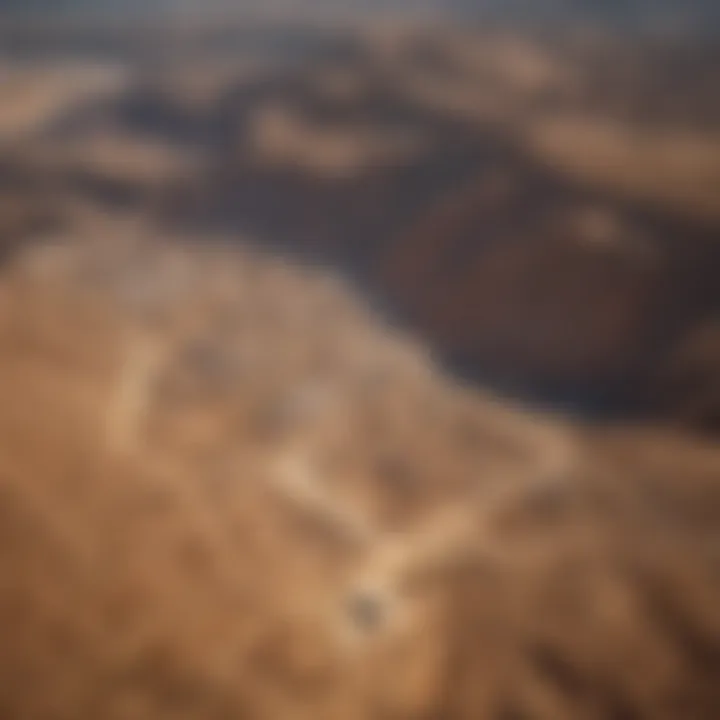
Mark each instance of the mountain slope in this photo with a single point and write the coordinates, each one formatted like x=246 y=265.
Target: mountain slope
x=226 y=492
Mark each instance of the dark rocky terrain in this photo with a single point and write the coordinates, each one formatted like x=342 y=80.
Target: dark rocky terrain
x=543 y=210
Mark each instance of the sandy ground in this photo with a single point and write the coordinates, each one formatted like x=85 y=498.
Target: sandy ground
x=227 y=491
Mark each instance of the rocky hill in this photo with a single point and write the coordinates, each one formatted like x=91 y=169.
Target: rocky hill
x=228 y=489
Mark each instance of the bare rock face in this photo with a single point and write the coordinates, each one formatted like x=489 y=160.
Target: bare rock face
x=688 y=382
x=549 y=293
x=227 y=491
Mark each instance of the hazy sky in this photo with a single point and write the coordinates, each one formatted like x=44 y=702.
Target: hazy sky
x=629 y=11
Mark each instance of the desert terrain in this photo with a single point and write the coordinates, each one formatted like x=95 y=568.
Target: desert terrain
x=358 y=371
x=543 y=209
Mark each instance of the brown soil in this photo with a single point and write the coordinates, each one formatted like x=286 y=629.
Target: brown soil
x=226 y=491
